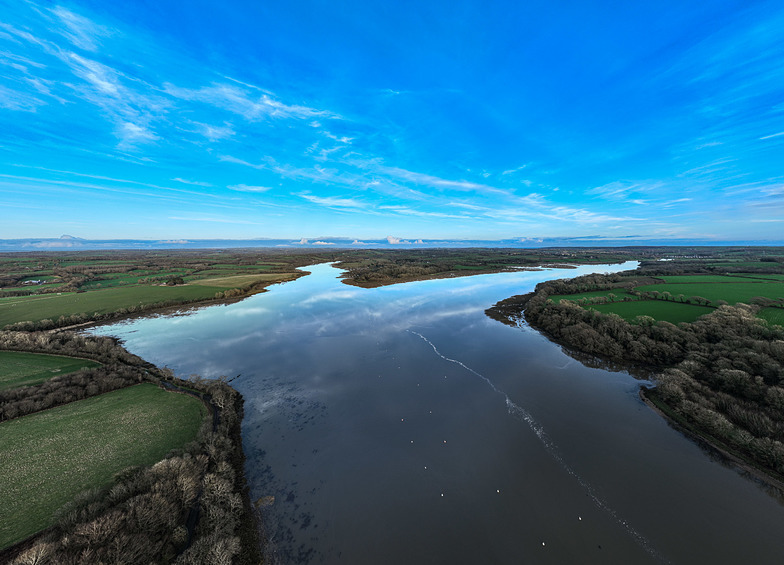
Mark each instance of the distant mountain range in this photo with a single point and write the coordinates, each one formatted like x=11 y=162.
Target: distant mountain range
x=68 y=242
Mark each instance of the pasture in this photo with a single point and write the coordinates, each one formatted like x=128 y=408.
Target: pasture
x=51 y=306
x=24 y=369
x=772 y=315
x=731 y=292
x=742 y=287
x=50 y=456
x=673 y=312
x=239 y=281
x=619 y=293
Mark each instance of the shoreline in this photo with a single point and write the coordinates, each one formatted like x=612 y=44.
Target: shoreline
x=727 y=456
x=346 y=278
x=171 y=309
x=223 y=417
x=509 y=310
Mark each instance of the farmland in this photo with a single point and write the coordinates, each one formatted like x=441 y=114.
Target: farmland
x=25 y=369
x=731 y=292
x=672 y=312
x=51 y=306
x=51 y=290
x=48 y=290
x=683 y=298
x=50 y=456
x=773 y=315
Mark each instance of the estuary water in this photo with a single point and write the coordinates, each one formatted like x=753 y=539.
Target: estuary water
x=402 y=425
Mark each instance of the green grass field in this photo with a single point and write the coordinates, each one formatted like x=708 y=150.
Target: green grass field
x=695 y=279
x=732 y=292
x=770 y=277
x=50 y=456
x=673 y=312
x=591 y=294
x=238 y=281
x=25 y=369
x=772 y=315
x=732 y=289
x=52 y=306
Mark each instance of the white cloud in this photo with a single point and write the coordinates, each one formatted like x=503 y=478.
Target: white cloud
x=533 y=199
x=19 y=101
x=619 y=190
x=212 y=220
x=332 y=201
x=246 y=188
x=80 y=31
x=215 y=133
x=193 y=182
x=444 y=184
x=515 y=170
x=672 y=203
x=230 y=159
x=395 y=240
x=23 y=61
x=239 y=101
x=131 y=134
x=132 y=112
x=323 y=243
x=405 y=210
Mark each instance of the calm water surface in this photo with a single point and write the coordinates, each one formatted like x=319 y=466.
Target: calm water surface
x=401 y=425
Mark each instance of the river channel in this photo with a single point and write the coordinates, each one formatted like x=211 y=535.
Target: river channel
x=401 y=425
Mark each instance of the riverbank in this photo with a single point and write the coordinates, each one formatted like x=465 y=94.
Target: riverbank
x=721 y=450
x=719 y=377
x=199 y=491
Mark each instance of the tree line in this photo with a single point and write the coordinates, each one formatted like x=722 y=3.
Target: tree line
x=722 y=375
x=192 y=507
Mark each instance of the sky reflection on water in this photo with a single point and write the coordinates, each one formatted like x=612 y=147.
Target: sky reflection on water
x=400 y=424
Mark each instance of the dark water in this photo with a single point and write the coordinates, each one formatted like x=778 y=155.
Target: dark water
x=401 y=425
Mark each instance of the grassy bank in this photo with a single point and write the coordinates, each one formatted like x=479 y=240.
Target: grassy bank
x=50 y=456
x=24 y=369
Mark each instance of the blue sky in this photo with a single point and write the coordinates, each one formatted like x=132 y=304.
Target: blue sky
x=365 y=119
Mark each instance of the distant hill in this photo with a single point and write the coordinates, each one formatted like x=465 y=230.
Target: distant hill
x=77 y=243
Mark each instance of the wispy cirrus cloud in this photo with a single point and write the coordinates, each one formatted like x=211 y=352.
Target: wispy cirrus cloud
x=406 y=211
x=515 y=170
x=80 y=31
x=623 y=189
x=18 y=101
x=125 y=101
x=191 y=182
x=239 y=101
x=247 y=188
x=238 y=161
x=333 y=201
x=440 y=183
x=212 y=220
